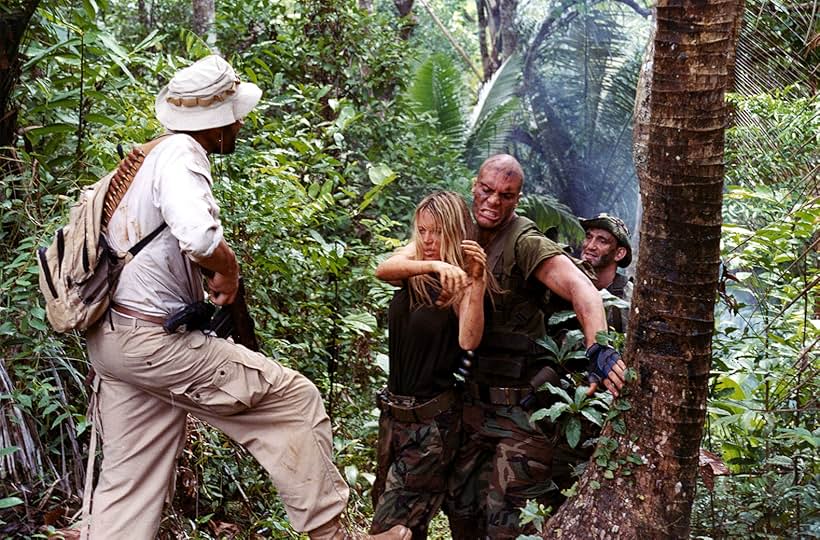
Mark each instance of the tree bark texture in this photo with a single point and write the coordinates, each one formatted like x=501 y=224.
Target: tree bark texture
x=497 y=35
x=204 y=13
x=13 y=25
x=678 y=141
x=142 y=14
x=405 y=9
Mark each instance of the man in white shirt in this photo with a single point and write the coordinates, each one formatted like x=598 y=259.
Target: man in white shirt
x=149 y=380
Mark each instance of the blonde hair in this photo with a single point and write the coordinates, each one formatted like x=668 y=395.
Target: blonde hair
x=451 y=215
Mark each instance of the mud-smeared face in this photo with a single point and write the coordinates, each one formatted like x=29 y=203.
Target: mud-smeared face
x=429 y=234
x=495 y=195
x=600 y=248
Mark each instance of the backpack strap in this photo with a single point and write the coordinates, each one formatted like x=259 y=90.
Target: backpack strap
x=145 y=241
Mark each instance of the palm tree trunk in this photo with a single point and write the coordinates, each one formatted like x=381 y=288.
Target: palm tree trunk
x=679 y=136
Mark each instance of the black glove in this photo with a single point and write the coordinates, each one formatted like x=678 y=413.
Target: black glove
x=601 y=360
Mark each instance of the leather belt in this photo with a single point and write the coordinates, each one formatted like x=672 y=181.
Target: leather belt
x=419 y=413
x=498 y=395
x=122 y=310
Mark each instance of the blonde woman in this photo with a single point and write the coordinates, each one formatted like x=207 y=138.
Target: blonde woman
x=436 y=315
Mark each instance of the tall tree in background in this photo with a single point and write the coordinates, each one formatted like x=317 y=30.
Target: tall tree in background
x=14 y=18
x=497 y=35
x=204 y=16
x=641 y=482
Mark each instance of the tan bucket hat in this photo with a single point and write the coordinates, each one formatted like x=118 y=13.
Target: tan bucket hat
x=204 y=95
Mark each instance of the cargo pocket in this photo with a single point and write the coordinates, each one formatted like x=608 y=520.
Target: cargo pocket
x=225 y=394
x=425 y=464
x=239 y=382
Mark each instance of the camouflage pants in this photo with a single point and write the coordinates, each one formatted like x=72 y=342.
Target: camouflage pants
x=414 y=462
x=503 y=461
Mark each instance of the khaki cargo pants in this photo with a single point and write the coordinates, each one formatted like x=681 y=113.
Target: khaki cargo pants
x=150 y=381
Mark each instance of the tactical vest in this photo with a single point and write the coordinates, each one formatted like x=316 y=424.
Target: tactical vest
x=508 y=353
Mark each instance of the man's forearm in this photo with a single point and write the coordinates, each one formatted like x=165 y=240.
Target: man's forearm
x=591 y=315
x=562 y=277
x=222 y=261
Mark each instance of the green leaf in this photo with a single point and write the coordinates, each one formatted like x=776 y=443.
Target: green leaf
x=38 y=325
x=622 y=404
x=91 y=9
x=554 y=412
x=593 y=416
x=360 y=322
x=380 y=174
x=8 y=450
x=573 y=431
x=619 y=426
x=580 y=396
x=561 y=316
x=51 y=129
x=8 y=502
x=560 y=392
x=351 y=474
x=94 y=118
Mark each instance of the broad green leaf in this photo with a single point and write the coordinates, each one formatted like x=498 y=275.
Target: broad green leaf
x=560 y=392
x=593 y=416
x=8 y=502
x=360 y=322
x=573 y=431
x=380 y=174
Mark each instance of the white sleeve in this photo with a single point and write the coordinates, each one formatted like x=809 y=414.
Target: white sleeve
x=183 y=193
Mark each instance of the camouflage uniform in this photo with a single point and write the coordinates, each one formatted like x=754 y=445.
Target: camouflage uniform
x=414 y=461
x=504 y=460
x=420 y=423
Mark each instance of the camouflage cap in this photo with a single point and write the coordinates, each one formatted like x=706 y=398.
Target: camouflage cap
x=617 y=227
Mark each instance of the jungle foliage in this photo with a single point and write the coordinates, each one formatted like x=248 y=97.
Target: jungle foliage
x=345 y=141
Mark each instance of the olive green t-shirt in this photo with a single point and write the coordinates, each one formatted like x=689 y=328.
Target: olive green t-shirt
x=519 y=313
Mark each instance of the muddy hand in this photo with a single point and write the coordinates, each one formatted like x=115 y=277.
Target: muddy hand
x=476 y=259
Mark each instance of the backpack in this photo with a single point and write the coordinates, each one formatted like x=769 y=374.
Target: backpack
x=79 y=270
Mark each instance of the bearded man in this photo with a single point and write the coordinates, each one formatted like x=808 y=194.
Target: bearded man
x=606 y=248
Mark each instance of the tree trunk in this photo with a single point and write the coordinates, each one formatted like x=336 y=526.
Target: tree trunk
x=497 y=35
x=13 y=25
x=481 y=8
x=142 y=14
x=509 y=34
x=204 y=18
x=405 y=9
x=679 y=137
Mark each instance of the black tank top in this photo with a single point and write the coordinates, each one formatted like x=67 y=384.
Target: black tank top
x=424 y=349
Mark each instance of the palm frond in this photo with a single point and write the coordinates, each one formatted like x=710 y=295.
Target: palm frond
x=437 y=89
x=503 y=86
x=491 y=135
x=547 y=213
